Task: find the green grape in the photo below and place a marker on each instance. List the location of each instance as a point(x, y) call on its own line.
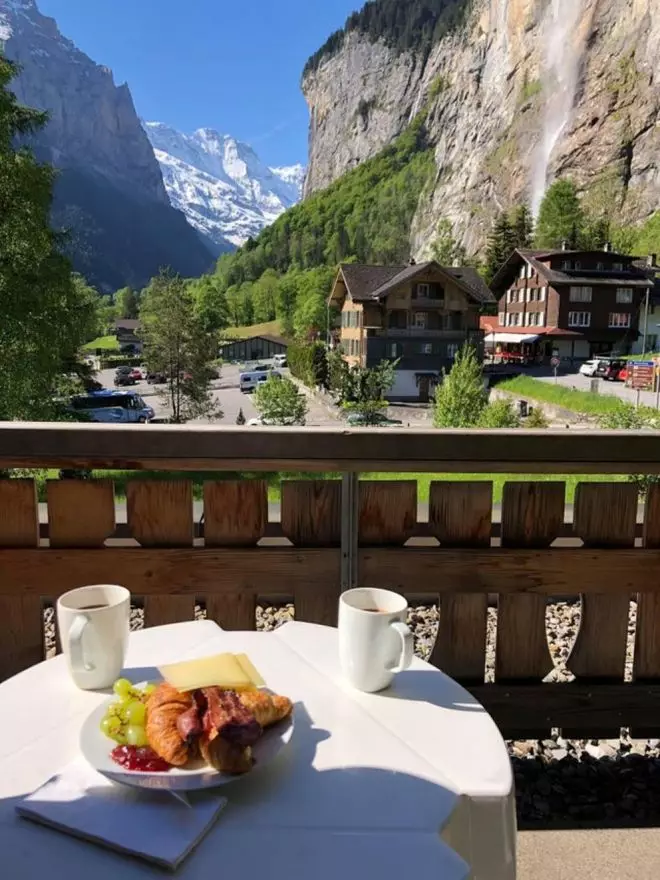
point(120, 738)
point(122, 687)
point(148, 689)
point(136, 735)
point(110, 725)
point(136, 713)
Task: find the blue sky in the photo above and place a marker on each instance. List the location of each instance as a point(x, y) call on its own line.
point(232, 65)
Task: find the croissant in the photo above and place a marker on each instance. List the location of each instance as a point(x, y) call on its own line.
point(267, 708)
point(225, 756)
point(164, 707)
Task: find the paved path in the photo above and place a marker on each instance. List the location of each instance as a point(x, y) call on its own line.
point(603, 854)
point(615, 389)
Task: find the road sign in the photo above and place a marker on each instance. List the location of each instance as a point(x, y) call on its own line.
point(555, 362)
point(642, 375)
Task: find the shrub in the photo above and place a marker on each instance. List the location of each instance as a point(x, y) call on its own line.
point(309, 363)
point(280, 403)
point(537, 418)
point(461, 399)
point(499, 414)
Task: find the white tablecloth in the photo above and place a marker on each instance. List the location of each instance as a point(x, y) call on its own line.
point(415, 781)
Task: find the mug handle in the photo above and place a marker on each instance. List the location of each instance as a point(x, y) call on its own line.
point(78, 663)
point(407, 645)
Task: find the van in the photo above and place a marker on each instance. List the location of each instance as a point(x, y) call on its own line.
point(249, 381)
point(279, 360)
point(120, 407)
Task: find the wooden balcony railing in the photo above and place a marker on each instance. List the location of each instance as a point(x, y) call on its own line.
point(334, 533)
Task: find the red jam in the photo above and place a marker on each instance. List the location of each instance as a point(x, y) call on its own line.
point(142, 759)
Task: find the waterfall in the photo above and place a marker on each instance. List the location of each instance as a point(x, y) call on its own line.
point(564, 45)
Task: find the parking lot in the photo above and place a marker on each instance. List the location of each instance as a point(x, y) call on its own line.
point(574, 379)
point(226, 393)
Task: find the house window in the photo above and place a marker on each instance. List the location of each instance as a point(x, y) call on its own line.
point(578, 264)
point(541, 320)
point(452, 350)
point(580, 294)
point(523, 269)
point(624, 295)
point(619, 319)
point(427, 348)
point(544, 294)
point(566, 265)
point(394, 350)
point(617, 267)
point(529, 271)
point(579, 319)
point(516, 319)
point(423, 291)
point(600, 267)
point(419, 320)
point(501, 319)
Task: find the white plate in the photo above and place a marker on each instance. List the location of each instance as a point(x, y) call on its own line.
point(96, 748)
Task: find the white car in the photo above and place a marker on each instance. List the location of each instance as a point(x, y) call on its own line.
point(589, 368)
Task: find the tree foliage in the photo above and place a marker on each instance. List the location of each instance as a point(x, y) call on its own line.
point(179, 346)
point(561, 218)
point(280, 403)
point(511, 230)
point(359, 389)
point(415, 24)
point(446, 249)
point(127, 303)
point(499, 414)
point(461, 398)
point(46, 313)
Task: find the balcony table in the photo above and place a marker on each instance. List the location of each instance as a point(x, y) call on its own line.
point(413, 782)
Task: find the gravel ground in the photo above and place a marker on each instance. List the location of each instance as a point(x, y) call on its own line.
point(558, 781)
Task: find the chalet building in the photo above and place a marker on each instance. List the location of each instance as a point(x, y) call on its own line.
point(420, 315)
point(648, 339)
point(569, 304)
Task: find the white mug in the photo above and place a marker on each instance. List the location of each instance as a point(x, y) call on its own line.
point(374, 641)
point(93, 625)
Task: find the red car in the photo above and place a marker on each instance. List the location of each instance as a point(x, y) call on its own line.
point(136, 374)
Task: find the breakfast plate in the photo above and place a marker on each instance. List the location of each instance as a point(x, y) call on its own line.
point(96, 748)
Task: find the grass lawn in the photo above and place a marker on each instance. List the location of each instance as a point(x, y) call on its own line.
point(558, 395)
point(121, 478)
point(108, 343)
point(271, 328)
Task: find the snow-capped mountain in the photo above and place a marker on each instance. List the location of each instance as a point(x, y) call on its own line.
point(221, 185)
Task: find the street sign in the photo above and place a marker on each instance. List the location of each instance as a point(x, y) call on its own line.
point(555, 362)
point(642, 375)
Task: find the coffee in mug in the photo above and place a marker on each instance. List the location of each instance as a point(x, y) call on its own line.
point(93, 625)
point(374, 641)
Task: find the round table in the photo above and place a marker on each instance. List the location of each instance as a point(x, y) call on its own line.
point(414, 781)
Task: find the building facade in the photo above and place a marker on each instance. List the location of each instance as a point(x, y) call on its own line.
point(418, 315)
point(567, 304)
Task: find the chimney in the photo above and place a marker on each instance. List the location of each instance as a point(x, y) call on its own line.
point(564, 245)
point(652, 261)
point(607, 247)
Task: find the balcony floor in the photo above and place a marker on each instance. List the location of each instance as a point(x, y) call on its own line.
point(602, 854)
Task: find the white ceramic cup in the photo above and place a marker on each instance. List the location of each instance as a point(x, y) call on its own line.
point(93, 626)
point(374, 641)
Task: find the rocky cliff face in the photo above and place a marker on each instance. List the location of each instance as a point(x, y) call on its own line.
point(110, 193)
point(525, 91)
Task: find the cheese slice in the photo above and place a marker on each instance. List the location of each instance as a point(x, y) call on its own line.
point(231, 671)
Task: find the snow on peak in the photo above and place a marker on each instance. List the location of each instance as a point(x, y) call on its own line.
point(220, 183)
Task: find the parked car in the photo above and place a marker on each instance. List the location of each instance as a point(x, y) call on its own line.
point(610, 368)
point(112, 406)
point(137, 374)
point(124, 377)
point(589, 368)
point(249, 381)
point(375, 420)
point(156, 378)
point(280, 360)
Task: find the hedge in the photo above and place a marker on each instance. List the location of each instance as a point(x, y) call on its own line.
point(309, 363)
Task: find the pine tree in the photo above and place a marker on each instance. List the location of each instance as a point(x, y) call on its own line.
point(501, 242)
point(240, 418)
point(461, 399)
point(561, 218)
point(522, 222)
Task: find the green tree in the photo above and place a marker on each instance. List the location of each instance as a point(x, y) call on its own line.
point(91, 309)
point(264, 296)
point(501, 242)
point(461, 398)
point(178, 346)
point(446, 250)
point(210, 302)
point(522, 224)
point(46, 313)
point(561, 218)
point(280, 403)
point(363, 390)
point(127, 303)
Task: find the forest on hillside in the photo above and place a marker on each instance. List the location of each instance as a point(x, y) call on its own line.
point(417, 24)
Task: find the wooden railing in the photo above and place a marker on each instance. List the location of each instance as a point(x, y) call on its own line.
point(337, 532)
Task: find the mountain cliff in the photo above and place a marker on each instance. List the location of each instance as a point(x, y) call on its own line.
point(110, 193)
point(516, 93)
point(221, 185)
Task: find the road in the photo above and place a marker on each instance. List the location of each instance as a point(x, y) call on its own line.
point(583, 383)
point(226, 393)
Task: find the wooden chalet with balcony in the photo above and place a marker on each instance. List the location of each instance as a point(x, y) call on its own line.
point(419, 315)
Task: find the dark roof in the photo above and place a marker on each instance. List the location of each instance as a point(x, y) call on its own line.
point(278, 340)
point(366, 283)
point(631, 278)
point(130, 324)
